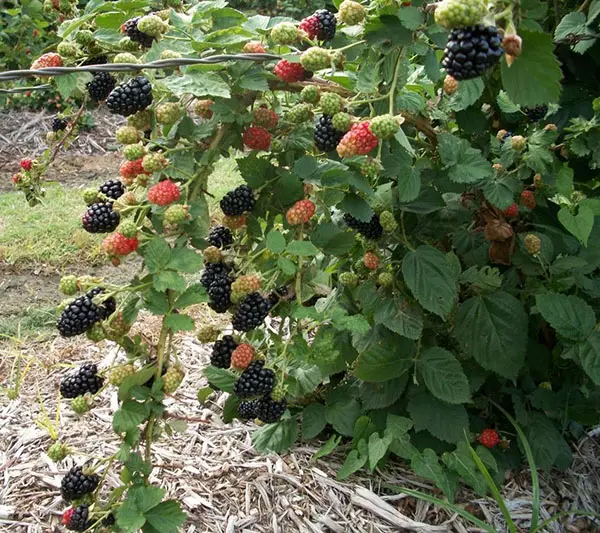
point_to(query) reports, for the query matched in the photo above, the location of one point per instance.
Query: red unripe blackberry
(370, 230)
(84, 380)
(77, 484)
(265, 117)
(360, 140)
(130, 97)
(254, 47)
(511, 211)
(250, 313)
(310, 25)
(528, 199)
(130, 170)
(257, 138)
(254, 381)
(100, 218)
(76, 518)
(82, 313)
(130, 28)
(489, 438)
(164, 193)
(26, 164)
(221, 237)
(300, 213)
(221, 352)
(118, 244)
(112, 189)
(242, 356)
(290, 72)
(238, 201)
(101, 86)
(50, 59)
(371, 261)
(268, 410)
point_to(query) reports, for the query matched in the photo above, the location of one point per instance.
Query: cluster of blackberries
(77, 484)
(100, 218)
(82, 313)
(255, 381)
(217, 280)
(265, 409)
(76, 519)
(370, 230)
(471, 51)
(251, 312)
(130, 97)
(221, 353)
(59, 124)
(85, 380)
(130, 28)
(221, 237)
(237, 202)
(536, 113)
(326, 137)
(112, 189)
(101, 86)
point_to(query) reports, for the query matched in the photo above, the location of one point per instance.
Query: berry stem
(404, 237)
(392, 92)
(352, 45)
(299, 272)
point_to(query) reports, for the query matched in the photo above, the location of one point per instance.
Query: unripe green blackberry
(315, 58)
(85, 37)
(370, 167)
(168, 113)
(81, 404)
(299, 113)
(125, 57)
(117, 327)
(388, 222)
(154, 162)
(142, 120)
(284, 33)
(360, 267)
(384, 126)
(207, 334)
(47, 7)
(68, 285)
(127, 135)
(460, 13)
(518, 143)
(128, 228)
(279, 393)
(90, 196)
(96, 333)
(310, 94)
(342, 121)
(351, 12)
(176, 214)
(165, 14)
(385, 279)
(331, 103)
(120, 373)
(66, 49)
(533, 244)
(349, 279)
(212, 254)
(152, 25)
(133, 152)
(172, 3)
(52, 136)
(58, 451)
(127, 45)
(170, 54)
(172, 379)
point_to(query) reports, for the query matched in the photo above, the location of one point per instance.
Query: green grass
(31, 322)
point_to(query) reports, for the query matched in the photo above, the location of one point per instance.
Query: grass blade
(565, 513)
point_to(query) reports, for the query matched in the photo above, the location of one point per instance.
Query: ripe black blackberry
(76, 519)
(77, 484)
(221, 353)
(277, 295)
(112, 188)
(254, 381)
(109, 520)
(221, 237)
(100, 218)
(370, 230)
(82, 313)
(212, 271)
(268, 410)
(130, 97)
(247, 410)
(219, 293)
(84, 380)
(326, 137)
(327, 24)
(238, 201)
(471, 51)
(96, 60)
(251, 312)
(59, 124)
(101, 86)
(536, 113)
(130, 28)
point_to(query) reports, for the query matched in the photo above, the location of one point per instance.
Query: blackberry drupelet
(247, 410)
(471, 51)
(536, 113)
(221, 237)
(238, 201)
(254, 381)
(76, 519)
(82, 313)
(212, 271)
(326, 137)
(130, 97)
(268, 410)
(327, 24)
(219, 293)
(221, 353)
(130, 28)
(59, 124)
(370, 230)
(251, 312)
(100, 218)
(101, 86)
(77, 484)
(84, 380)
(112, 188)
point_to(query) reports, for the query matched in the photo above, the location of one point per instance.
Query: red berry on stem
(300, 213)
(489, 438)
(511, 211)
(371, 261)
(164, 193)
(289, 72)
(528, 199)
(26, 164)
(257, 138)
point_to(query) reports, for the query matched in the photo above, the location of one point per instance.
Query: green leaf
(445, 421)
(460, 461)
(66, 85)
(544, 439)
(275, 241)
(313, 420)
(409, 186)
(139, 378)
(534, 77)
(564, 181)
(220, 377)
(505, 104)
(198, 83)
(179, 323)
(493, 330)
(156, 302)
(443, 375)
(357, 207)
(304, 379)
(342, 415)
(157, 254)
(353, 463)
(328, 447)
(185, 260)
(377, 449)
(276, 437)
(429, 277)
(398, 426)
(469, 91)
(129, 518)
(485, 279)
(500, 191)
(589, 355)
(304, 248)
(382, 394)
(385, 359)
(400, 316)
(168, 279)
(332, 240)
(146, 497)
(287, 266)
(580, 225)
(410, 17)
(166, 517)
(194, 294)
(129, 416)
(570, 316)
(464, 163)
(428, 466)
